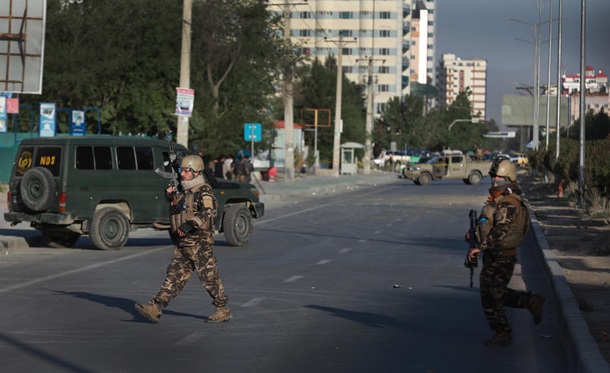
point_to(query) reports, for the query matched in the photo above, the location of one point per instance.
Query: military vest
(518, 228)
(184, 208)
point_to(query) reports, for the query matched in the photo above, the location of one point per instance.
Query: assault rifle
(173, 176)
(472, 239)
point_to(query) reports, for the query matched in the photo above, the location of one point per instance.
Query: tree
(316, 89)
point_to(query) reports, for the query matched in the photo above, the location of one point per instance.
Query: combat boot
(151, 311)
(535, 307)
(221, 314)
(501, 338)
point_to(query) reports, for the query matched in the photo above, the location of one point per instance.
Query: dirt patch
(581, 244)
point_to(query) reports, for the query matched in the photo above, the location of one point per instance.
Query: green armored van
(106, 186)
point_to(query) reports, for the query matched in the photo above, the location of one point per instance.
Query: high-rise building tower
(397, 34)
(456, 75)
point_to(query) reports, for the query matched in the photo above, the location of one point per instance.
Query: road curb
(9, 244)
(575, 331)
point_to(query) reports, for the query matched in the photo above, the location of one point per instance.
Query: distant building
(456, 75)
(596, 96)
(398, 35)
(595, 83)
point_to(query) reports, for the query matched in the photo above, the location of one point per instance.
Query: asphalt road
(366, 281)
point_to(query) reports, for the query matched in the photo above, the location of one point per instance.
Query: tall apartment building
(398, 35)
(456, 75)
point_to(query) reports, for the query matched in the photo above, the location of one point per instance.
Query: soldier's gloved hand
(186, 227)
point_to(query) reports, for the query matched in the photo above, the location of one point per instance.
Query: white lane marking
(293, 279)
(190, 339)
(345, 250)
(362, 240)
(78, 270)
(253, 302)
(324, 261)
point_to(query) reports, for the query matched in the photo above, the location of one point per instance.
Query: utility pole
(558, 120)
(583, 106)
(338, 121)
(548, 81)
(369, 120)
(182, 137)
(288, 108)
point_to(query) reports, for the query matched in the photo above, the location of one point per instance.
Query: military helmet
(194, 162)
(503, 168)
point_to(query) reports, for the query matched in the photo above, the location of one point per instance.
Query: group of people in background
(229, 168)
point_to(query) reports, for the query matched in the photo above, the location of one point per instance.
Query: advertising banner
(77, 123)
(185, 98)
(47, 126)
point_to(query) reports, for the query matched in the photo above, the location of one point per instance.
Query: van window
(135, 158)
(103, 158)
(48, 157)
(167, 164)
(144, 156)
(84, 158)
(126, 158)
(93, 158)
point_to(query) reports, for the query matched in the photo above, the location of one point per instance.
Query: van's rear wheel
(38, 189)
(60, 238)
(237, 225)
(109, 229)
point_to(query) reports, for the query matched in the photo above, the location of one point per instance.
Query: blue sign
(253, 131)
(47, 126)
(77, 123)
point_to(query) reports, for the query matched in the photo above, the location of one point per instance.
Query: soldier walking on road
(502, 227)
(191, 217)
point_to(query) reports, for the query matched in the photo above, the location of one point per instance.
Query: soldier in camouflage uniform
(191, 216)
(502, 227)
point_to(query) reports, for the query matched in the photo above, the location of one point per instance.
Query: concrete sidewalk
(272, 193)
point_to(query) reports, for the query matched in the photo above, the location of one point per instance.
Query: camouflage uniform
(502, 228)
(193, 252)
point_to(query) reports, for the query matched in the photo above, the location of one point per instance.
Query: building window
(305, 15)
(347, 51)
(384, 51)
(384, 33)
(385, 15)
(384, 88)
(384, 69)
(304, 33)
(346, 15)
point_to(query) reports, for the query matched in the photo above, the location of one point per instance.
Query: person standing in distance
(502, 227)
(191, 218)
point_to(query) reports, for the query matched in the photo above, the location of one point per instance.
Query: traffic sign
(253, 131)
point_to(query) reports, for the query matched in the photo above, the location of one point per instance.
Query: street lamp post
(471, 120)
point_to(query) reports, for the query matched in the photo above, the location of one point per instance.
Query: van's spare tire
(38, 189)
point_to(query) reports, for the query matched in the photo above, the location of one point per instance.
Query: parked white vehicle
(397, 159)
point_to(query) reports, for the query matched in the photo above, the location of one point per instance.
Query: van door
(140, 185)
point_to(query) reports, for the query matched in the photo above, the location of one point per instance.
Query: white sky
(480, 28)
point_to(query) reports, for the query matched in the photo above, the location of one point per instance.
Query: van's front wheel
(237, 225)
(109, 229)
